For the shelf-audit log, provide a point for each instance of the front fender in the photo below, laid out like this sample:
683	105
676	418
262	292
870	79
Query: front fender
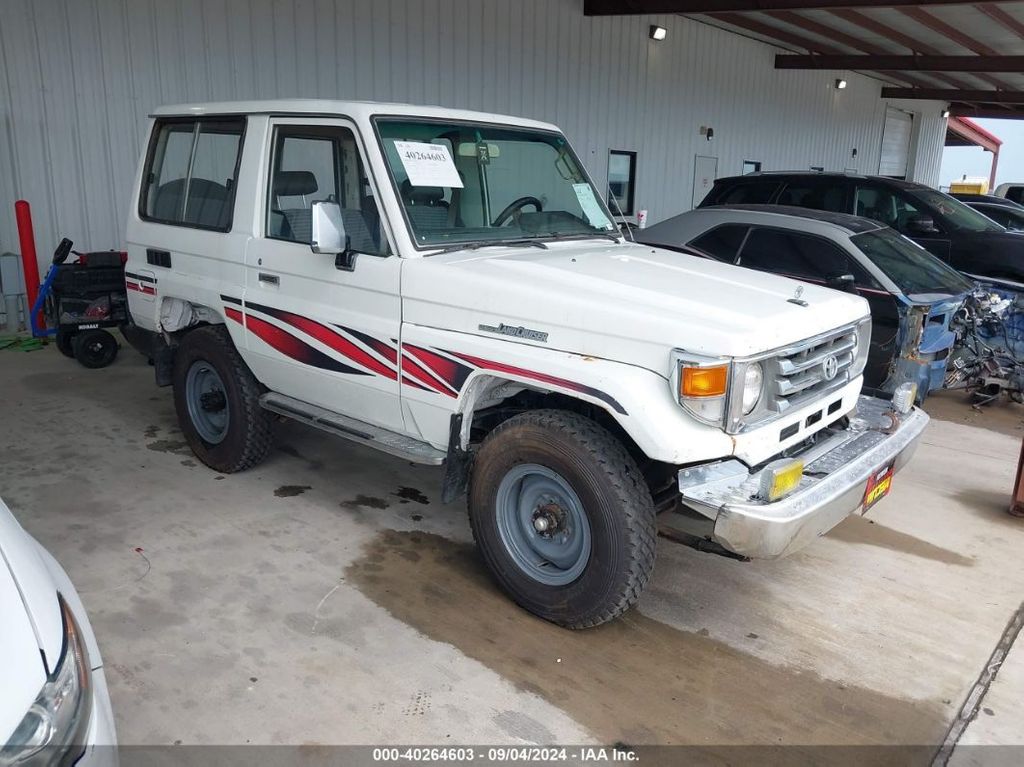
445	372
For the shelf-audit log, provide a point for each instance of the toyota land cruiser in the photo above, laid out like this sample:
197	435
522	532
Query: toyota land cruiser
450	287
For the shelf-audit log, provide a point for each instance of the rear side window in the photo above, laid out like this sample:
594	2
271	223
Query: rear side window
1016	194
746	193
722	242
795	254
816	195
191	173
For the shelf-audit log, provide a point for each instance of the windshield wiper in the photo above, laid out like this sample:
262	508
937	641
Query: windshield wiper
563	236
525	243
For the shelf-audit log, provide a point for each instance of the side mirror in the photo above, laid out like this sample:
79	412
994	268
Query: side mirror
844	282
922	225
328	234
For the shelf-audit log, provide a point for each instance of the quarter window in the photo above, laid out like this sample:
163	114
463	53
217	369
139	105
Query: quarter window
321	164
816	195
621	181
723	242
803	256
752	193
191	173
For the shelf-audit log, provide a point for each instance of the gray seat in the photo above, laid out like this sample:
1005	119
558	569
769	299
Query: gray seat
425	206
208	202
297	223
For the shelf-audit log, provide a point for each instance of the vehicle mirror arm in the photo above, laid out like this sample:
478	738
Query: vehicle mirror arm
345	261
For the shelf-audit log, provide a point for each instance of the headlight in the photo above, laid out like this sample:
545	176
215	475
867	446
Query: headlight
55	727
860	354
753	383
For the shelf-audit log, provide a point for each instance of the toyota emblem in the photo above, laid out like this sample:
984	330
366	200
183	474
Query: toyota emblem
830	367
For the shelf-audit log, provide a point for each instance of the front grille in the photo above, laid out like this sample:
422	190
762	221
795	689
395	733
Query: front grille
805	371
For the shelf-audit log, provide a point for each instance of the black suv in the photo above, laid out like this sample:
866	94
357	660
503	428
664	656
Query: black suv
962	237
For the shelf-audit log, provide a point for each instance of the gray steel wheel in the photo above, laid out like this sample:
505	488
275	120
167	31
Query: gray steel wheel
207	402
543	525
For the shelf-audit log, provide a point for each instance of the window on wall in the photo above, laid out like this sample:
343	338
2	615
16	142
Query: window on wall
191	172
751	166
621	181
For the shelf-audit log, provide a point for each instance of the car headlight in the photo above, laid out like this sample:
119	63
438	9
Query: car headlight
753	385
54	729
860	354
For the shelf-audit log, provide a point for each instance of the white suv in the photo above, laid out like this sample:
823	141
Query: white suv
450	287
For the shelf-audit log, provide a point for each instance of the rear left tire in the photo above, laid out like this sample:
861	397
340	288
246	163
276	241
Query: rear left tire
216	398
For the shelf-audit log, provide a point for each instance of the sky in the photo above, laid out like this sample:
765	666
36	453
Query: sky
973	161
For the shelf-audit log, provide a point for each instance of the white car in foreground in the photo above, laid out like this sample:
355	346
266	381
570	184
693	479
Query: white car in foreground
54	704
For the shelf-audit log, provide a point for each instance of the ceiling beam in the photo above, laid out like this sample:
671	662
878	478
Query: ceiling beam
969	110
904	63
924	18
1002	17
955	94
908	41
628	7
752	24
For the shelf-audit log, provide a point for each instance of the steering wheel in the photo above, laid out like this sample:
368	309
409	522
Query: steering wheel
515	209
60	255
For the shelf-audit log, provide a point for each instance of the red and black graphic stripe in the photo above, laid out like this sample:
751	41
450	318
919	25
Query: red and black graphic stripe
448	370
384	349
140	283
455	373
412	369
291	346
330	337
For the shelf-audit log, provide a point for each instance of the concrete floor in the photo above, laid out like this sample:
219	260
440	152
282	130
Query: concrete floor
328	597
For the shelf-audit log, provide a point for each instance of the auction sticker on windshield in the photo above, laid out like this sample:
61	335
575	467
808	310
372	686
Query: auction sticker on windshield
591	207
879	485
428	164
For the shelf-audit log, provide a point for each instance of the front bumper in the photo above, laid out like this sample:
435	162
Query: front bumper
836	473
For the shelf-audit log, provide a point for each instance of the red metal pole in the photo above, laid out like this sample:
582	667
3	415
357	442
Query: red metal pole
29	261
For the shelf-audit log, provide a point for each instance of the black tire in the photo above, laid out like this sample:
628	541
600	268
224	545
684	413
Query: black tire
616	500
248	434
94	348
65	341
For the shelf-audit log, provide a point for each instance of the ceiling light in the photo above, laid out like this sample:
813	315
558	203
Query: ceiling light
840	84
658	33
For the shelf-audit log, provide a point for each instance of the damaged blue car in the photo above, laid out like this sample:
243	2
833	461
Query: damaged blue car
914	296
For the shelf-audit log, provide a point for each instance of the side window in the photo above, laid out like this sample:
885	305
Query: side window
191	173
722	243
817	195
799	255
321	164
887	207
1015	194
751	193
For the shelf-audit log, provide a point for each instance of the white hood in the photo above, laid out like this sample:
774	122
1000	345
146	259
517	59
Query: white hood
629	303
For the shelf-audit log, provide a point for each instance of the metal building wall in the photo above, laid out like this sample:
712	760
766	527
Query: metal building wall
79	77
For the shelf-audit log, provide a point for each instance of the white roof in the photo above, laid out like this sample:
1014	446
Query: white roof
355	110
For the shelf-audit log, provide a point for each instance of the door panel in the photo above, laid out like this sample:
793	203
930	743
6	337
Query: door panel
314	332
705	169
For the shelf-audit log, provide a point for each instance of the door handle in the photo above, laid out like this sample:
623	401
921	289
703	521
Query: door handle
270	279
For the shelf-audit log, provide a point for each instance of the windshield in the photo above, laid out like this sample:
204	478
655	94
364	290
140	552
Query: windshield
955	213
911	267
462	183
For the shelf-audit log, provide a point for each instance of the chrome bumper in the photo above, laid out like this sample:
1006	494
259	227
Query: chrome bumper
837	469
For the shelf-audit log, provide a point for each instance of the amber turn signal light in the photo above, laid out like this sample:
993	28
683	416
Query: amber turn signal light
703	382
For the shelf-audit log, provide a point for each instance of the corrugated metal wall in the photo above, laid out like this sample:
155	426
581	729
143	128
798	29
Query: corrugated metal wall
80	76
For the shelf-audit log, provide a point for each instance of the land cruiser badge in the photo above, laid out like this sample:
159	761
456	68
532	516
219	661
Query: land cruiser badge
516	332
